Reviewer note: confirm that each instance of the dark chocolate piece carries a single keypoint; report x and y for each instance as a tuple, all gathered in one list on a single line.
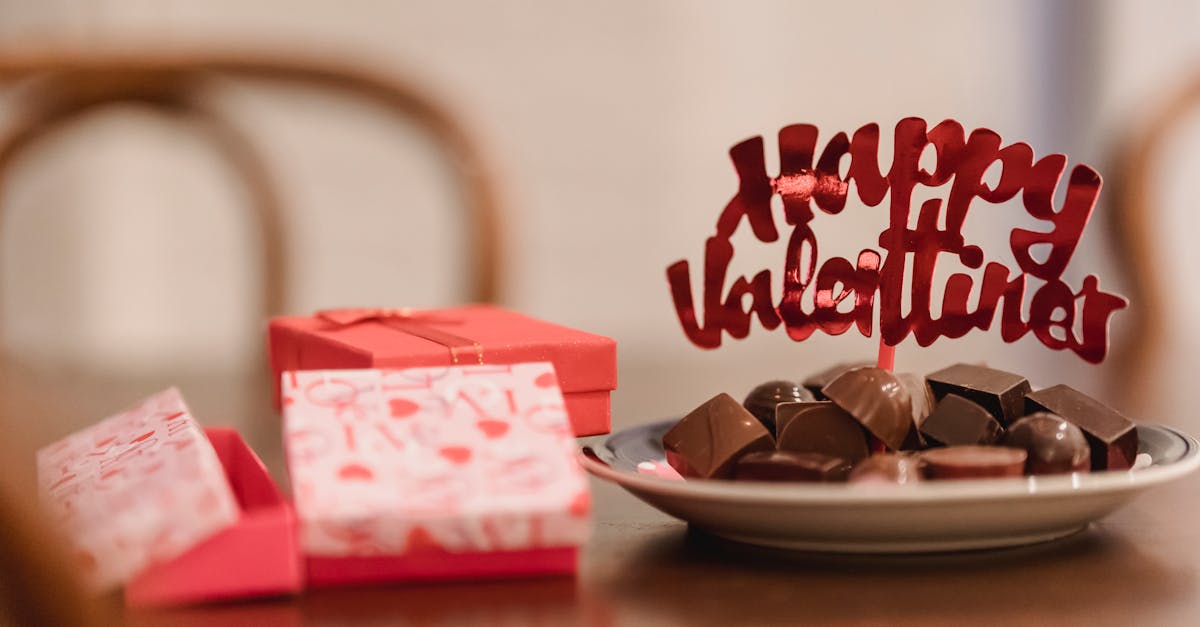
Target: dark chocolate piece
[(956, 420), (877, 400), (1113, 437), (707, 442), (761, 401), (973, 462), (1054, 445), (816, 382), (790, 466), (887, 468), (820, 427), (1001, 393)]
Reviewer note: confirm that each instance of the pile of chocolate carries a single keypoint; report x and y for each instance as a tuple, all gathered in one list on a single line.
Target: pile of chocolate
[(859, 423)]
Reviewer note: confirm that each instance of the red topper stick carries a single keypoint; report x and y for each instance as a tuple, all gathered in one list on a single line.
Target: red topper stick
[(887, 356), (841, 294)]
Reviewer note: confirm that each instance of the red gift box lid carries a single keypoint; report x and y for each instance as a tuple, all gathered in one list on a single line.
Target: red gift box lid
[(584, 361)]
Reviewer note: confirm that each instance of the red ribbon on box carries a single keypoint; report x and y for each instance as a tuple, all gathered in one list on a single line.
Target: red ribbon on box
[(410, 321)]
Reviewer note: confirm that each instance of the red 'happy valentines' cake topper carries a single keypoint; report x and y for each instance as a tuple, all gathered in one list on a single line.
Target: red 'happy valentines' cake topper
[(1059, 316)]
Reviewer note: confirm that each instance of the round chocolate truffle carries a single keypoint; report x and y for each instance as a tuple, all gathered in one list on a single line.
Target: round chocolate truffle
[(877, 400), (887, 468), (973, 462), (790, 466), (814, 382), (1054, 445), (761, 401)]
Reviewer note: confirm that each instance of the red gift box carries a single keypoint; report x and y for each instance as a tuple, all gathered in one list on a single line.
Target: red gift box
[(476, 334)]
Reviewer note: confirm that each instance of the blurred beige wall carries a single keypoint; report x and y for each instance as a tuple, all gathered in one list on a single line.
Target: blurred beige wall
[(125, 249)]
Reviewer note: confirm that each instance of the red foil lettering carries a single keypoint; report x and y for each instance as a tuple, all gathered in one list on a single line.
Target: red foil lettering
[(836, 294)]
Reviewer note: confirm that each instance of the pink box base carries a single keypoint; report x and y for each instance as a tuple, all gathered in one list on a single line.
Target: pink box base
[(440, 566), (257, 556)]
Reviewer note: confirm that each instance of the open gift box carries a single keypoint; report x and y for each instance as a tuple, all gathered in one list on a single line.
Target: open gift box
[(428, 473), (433, 473), (176, 513), (477, 334)]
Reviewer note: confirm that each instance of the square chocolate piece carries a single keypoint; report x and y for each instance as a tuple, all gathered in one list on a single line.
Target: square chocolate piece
[(1112, 437), (1001, 393), (707, 443)]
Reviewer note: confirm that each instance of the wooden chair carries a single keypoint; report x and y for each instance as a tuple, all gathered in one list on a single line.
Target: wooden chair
[(1135, 216), (60, 88)]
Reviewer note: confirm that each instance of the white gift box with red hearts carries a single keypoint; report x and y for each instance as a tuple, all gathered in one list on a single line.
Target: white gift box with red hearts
[(138, 488), (175, 512), (433, 472)]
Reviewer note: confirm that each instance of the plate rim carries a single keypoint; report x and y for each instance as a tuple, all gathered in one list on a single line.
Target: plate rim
[(1053, 486)]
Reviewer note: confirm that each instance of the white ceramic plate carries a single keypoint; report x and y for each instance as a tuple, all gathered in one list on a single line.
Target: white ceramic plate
[(870, 518)]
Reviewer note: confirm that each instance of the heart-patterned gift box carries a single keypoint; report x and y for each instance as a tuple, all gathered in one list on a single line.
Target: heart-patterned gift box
[(446, 472), (177, 513)]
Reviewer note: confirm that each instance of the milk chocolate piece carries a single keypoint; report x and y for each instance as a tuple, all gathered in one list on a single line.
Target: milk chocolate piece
[(1112, 437), (707, 442), (817, 382), (887, 468), (761, 401), (1054, 445), (790, 466), (920, 394), (1001, 393), (820, 427), (973, 462), (923, 402), (877, 400), (956, 420)]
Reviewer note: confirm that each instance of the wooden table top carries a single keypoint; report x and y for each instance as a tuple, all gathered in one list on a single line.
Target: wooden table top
[(644, 568), (1139, 567)]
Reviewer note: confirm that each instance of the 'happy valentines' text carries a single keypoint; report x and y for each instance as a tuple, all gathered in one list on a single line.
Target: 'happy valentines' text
[(1059, 316)]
